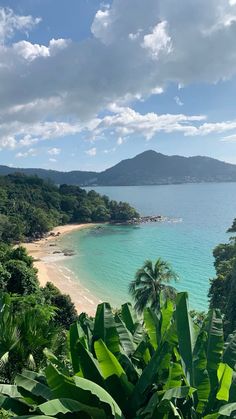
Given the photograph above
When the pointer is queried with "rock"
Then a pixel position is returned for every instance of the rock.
(68, 252)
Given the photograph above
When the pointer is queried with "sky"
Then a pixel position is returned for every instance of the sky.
(85, 84)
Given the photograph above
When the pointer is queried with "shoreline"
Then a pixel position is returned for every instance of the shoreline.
(48, 260)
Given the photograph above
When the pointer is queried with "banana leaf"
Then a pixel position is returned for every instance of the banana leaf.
(176, 374)
(76, 333)
(64, 406)
(229, 355)
(214, 344)
(16, 406)
(201, 376)
(89, 365)
(186, 335)
(82, 390)
(125, 336)
(147, 378)
(224, 374)
(166, 316)
(116, 379)
(34, 417)
(10, 390)
(105, 328)
(152, 325)
(178, 393)
(33, 389)
(228, 409)
(129, 317)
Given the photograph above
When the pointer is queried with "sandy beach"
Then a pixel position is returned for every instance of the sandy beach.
(49, 258)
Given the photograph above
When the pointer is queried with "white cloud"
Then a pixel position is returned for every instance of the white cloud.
(31, 152)
(134, 36)
(120, 141)
(53, 160)
(216, 128)
(54, 151)
(10, 22)
(158, 41)
(157, 90)
(178, 101)
(113, 66)
(91, 152)
(101, 22)
(229, 139)
(8, 142)
(109, 150)
(126, 121)
(32, 51)
(18, 134)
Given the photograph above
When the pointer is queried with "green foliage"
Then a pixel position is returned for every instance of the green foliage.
(176, 369)
(30, 207)
(66, 312)
(232, 229)
(222, 292)
(17, 274)
(151, 285)
(23, 337)
(23, 280)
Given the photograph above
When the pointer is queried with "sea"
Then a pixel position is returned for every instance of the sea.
(198, 215)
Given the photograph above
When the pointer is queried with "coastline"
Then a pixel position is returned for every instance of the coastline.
(48, 260)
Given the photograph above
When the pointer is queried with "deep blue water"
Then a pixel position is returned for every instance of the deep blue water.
(107, 258)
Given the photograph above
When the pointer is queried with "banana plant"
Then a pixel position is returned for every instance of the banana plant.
(160, 366)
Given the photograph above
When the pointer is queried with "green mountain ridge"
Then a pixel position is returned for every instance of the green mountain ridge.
(147, 168)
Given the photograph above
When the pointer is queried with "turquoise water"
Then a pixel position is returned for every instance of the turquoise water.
(108, 257)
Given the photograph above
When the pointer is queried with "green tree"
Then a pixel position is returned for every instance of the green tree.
(222, 291)
(83, 213)
(23, 279)
(101, 213)
(4, 277)
(38, 222)
(150, 282)
(122, 211)
(24, 337)
(232, 229)
(20, 253)
(66, 312)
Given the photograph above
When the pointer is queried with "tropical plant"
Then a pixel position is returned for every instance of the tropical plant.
(150, 283)
(23, 337)
(165, 367)
(222, 292)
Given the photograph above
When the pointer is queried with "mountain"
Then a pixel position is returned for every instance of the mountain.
(151, 168)
(147, 168)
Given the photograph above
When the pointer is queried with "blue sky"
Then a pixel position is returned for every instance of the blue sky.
(85, 84)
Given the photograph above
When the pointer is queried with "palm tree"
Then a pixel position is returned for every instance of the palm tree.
(150, 282)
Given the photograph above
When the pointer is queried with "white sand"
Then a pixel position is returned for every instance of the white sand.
(50, 268)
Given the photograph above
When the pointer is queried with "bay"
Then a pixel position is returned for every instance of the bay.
(107, 257)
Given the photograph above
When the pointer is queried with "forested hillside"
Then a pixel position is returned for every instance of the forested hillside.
(147, 168)
(30, 207)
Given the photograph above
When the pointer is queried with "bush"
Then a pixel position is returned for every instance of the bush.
(23, 279)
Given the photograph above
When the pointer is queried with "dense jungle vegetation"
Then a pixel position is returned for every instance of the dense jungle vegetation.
(30, 207)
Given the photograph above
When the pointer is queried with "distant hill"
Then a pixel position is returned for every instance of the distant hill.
(147, 168)
(75, 177)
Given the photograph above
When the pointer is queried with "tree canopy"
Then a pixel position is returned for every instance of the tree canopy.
(30, 207)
